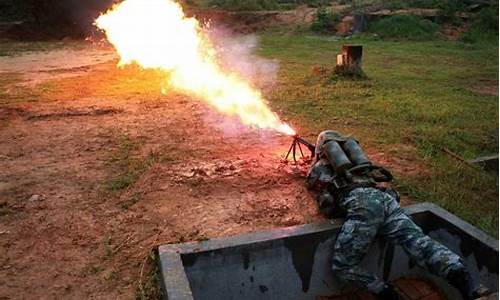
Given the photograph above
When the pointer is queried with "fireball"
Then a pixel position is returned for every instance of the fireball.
(155, 34)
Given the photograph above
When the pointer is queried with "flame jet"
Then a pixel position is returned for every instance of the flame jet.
(156, 34)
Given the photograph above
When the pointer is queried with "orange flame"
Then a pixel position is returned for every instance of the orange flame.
(156, 34)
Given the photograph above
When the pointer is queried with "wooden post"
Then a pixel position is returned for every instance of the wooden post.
(350, 61)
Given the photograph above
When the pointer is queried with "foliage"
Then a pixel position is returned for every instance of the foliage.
(324, 21)
(446, 5)
(450, 7)
(147, 288)
(245, 4)
(255, 5)
(484, 26)
(12, 10)
(310, 3)
(405, 27)
(54, 18)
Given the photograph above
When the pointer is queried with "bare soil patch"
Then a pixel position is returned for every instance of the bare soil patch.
(486, 87)
(37, 67)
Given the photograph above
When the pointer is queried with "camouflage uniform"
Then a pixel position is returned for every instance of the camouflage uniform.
(370, 212)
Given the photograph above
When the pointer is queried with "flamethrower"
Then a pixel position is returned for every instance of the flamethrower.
(346, 157)
(297, 143)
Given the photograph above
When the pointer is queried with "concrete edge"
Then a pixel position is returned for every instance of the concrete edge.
(174, 281)
(466, 227)
(250, 238)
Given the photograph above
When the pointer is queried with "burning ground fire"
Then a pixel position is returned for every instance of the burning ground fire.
(156, 34)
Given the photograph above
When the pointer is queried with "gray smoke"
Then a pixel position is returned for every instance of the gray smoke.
(237, 54)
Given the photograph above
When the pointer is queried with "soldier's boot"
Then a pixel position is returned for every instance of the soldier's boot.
(388, 293)
(463, 282)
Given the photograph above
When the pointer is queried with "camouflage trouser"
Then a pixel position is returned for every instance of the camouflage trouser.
(371, 212)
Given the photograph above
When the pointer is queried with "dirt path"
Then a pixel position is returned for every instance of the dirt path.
(101, 167)
(37, 67)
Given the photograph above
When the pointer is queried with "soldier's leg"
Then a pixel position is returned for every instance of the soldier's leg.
(424, 251)
(364, 217)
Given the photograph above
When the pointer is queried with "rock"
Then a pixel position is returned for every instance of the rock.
(345, 27)
(35, 198)
(290, 221)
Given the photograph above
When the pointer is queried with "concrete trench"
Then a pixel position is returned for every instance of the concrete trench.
(294, 262)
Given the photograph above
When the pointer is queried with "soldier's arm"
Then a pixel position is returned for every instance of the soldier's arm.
(319, 180)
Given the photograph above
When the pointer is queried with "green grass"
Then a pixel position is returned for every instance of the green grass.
(255, 5)
(147, 286)
(127, 164)
(404, 26)
(417, 94)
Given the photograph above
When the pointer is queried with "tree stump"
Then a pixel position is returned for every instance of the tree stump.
(350, 61)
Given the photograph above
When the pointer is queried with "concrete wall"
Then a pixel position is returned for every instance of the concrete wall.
(294, 262)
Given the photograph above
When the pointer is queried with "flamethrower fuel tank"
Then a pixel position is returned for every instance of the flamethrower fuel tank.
(355, 153)
(337, 156)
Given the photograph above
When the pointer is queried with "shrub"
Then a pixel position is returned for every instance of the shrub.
(245, 4)
(265, 4)
(324, 21)
(53, 18)
(314, 3)
(484, 26)
(405, 27)
(12, 10)
(450, 7)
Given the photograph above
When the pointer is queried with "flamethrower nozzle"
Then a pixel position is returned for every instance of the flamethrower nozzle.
(297, 142)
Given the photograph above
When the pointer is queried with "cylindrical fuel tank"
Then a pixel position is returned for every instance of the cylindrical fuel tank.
(336, 156)
(355, 153)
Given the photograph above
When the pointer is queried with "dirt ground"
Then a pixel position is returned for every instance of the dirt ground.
(37, 67)
(67, 232)
(98, 167)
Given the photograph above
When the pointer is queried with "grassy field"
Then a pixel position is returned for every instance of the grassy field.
(419, 98)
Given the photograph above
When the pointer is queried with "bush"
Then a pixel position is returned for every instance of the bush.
(245, 4)
(313, 3)
(265, 4)
(324, 21)
(53, 18)
(448, 6)
(405, 27)
(12, 10)
(484, 26)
